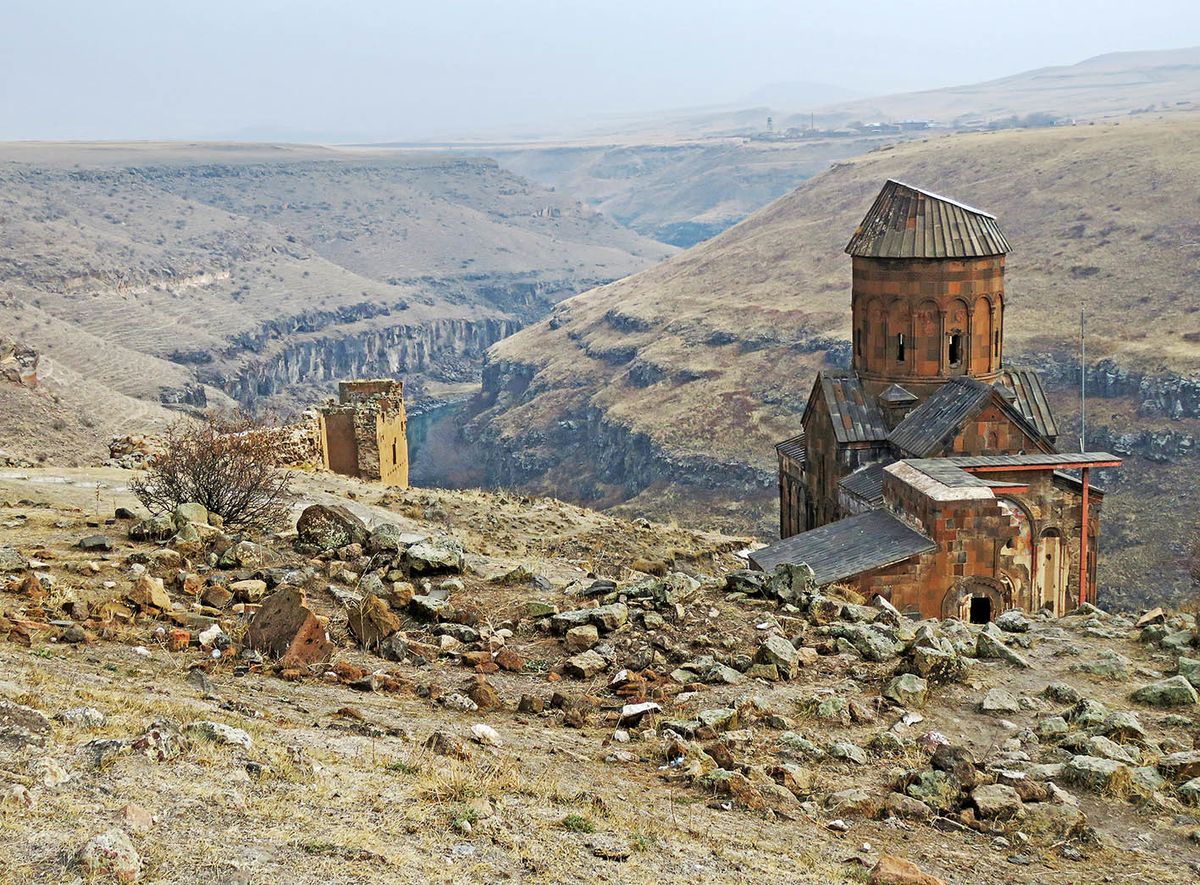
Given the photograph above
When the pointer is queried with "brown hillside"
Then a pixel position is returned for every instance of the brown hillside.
(709, 356)
(258, 271)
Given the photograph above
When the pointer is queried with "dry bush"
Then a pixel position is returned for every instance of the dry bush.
(226, 464)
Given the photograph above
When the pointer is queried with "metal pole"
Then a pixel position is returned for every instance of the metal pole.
(1082, 383)
(1083, 544)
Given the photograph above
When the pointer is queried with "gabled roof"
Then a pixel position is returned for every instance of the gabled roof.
(933, 424)
(866, 484)
(793, 448)
(908, 222)
(847, 547)
(855, 416)
(1031, 402)
(895, 395)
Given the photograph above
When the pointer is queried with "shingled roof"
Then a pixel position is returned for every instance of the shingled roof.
(1031, 400)
(855, 416)
(847, 547)
(792, 448)
(935, 422)
(908, 222)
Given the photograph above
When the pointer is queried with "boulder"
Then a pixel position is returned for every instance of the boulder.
(1173, 692)
(906, 690)
(906, 807)
(387, 537)
(955, 760)
(95, 543)
(435, 557)
(989, 647)
(112, 854)
(330, 526)
(1013, 621)
(782, 654)
(285, 629)
(427, 605)
(940, 790)
(1180, 766)
(581, 638)
(996, 802)
(999, 702)
(187, 513)
(11, 560)
(937, 664)
(585, 665)
(148, 593)
(372, 621)
(1189, 793)
(156, 528)
(1099, 775)
(250, 590)
(892, 870)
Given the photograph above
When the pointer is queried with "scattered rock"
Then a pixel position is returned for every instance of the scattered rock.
(486, 735)
(1013, 621)
(22, 726)
(11, 560)
(442, 743)
(999, 702)
(989, 647)
(777, 651)
(372, 621)
(285, 629)
(148, 593)
(585, 665)
(996, 801)
(906, 690)
(581, 638)
(110, 853)
(95, 543)
(220, 733)
(442, 556)
(892, 870)
(329, 527)
(1173, 692)
(82, 717)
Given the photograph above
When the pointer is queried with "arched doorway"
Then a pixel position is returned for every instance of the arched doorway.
(1052, 570)
(976, 600)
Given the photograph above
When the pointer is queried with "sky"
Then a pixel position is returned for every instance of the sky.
(372, 70)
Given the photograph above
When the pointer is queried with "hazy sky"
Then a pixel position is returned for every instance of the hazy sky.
(370, 69)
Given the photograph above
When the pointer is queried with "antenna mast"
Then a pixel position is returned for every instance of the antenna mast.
(1082, 382)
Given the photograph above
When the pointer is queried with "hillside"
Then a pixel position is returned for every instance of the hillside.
(684, 177)
(689, 372)
(488, 689)
(1115, 83)
(199, 274)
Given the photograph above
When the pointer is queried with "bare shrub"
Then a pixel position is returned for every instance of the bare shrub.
(226, 464)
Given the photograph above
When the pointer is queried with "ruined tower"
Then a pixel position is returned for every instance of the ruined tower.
(364, 433)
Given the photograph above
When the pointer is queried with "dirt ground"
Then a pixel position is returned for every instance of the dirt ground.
(337, 786)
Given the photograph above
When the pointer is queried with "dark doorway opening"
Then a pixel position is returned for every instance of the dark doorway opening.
(981, 610)
(955, 354)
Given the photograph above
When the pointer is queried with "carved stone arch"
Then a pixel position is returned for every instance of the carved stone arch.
(957, 600)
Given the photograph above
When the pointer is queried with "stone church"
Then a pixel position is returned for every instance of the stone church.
(929, 472)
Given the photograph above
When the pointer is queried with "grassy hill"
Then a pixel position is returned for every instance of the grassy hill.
(682, 178)
(201, 272)
(700, 364)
